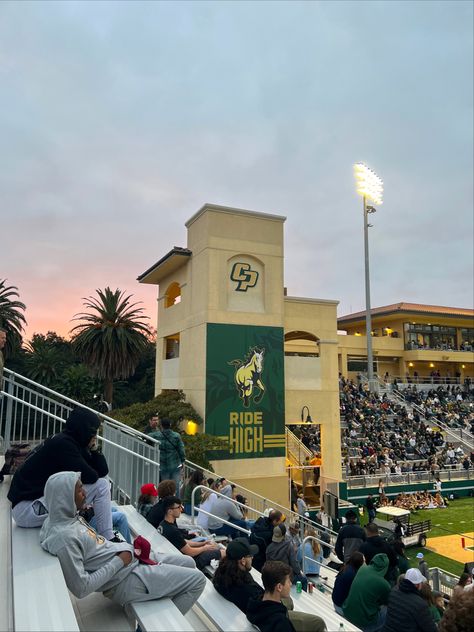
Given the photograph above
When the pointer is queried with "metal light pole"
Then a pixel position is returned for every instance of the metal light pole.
(370, 187)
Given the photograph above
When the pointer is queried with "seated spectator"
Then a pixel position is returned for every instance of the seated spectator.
(376, 544)
(350, 537)
(281, 550)
(312, 553)
(407, 610)
(119, 525)
(73, 449)
(269, 614)
(368, 595)
(194, 479)
(207, 500)
(156, 514)
(464, 580)
(202, 552)
(90, 563)
(344, 580)
(224, 509)
(262, 533)
(458, 614)
(293, 535)
(148, 497)
(429, 597)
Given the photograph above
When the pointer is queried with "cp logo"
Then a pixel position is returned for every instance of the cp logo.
(245, 277)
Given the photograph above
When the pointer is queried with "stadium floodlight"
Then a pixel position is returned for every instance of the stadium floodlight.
(368, 183)
(370, 187)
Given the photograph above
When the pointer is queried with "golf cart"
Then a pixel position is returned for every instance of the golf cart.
(414, 533)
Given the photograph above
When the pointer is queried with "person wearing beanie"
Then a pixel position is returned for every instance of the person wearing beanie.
(423, 566)
(172, 454)
(148, 497)
(73, 449)
(407, 610)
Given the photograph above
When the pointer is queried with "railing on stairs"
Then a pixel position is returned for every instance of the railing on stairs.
(296, 448)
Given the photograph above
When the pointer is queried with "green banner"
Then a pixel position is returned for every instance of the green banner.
(245, 390)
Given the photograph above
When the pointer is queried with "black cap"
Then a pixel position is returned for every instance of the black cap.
(240, 547)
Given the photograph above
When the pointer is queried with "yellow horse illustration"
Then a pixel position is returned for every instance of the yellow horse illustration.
(249, 375)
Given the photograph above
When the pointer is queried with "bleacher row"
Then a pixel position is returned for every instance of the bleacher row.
(41, 600)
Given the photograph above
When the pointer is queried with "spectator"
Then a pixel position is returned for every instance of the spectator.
(269, 614)
(224, 508)
(281, 550)
(313, 556)
(73, 449)
(262, 533)
(368, 595)
(148, 497)
(344, 580)
(403, 562)
(423, 566)
(428, 596)
(293, 535)
(407, 610)
(301, 505)
(172, 455)
(202, 552)
(350, 537)
(324, 519)
(458, 614)
(464, 580)
(207, 501)
(376, 544)
(195, 478)
(156, 514)
(370, 505)
(90, 563)
(152, 425)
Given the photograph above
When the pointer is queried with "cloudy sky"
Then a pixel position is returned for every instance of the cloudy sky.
(118, 120)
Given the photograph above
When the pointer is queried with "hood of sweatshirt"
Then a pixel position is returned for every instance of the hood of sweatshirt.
(380, 564)
(82, 424)
(262, 613)
(59, 495)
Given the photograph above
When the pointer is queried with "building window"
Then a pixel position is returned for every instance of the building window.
(467, 339)
(173, 295)
(172, 347)
(424, 336)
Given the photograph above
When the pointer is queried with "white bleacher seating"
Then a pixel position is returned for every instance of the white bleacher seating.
(222, 614)
(40, 596)
(160, 614)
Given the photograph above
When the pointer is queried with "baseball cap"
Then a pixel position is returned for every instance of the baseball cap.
(414, 576)
(142, 549)
(279, 533)
(420, 556)
(148, 489)
(240, 547)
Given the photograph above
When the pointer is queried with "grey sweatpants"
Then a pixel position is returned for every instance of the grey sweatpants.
(175, 577)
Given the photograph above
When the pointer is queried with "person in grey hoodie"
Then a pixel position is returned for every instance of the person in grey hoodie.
(90, 563)
(223, 508)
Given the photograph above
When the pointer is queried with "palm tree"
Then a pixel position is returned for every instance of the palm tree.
(112, 336)
(12, 320)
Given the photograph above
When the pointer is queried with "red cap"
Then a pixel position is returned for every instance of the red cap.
(149, 489)
(142, 550)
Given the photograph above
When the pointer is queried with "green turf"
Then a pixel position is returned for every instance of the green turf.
(457, 518)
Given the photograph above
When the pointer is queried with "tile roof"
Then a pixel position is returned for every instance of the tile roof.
(416, 308)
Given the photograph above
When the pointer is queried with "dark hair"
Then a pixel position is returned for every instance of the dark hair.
(463, 579)
(169, 501)
(196, 478)
(229, 574)
(351, 515)
(356, 560)
(166, 488)
(275, 514)
(145, 499)
(240, 499)
(372, 528)
(273, 573)
(165, 423)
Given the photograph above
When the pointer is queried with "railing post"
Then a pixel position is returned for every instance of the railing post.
(10, 387)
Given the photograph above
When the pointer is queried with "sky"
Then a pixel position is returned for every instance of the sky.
(119, 120)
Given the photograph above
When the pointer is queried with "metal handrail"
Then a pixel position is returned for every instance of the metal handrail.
(207, 513)
(305, 557)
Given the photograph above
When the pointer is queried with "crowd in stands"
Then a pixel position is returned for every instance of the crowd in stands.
(381, 436)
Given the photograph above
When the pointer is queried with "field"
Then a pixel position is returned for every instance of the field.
(456, 519)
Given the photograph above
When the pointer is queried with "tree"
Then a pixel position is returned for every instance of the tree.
(12, 320)
(43, 361)
(112, 336)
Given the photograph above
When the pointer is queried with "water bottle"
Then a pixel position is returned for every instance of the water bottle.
(299, 587)
(341, 627)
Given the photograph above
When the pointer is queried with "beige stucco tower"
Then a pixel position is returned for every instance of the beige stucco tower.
(247, 356)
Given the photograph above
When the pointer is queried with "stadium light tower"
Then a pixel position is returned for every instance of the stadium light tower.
(370, 187)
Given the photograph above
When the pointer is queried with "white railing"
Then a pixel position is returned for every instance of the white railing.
(297, 447)
(304, 557)
(31, 412)
(408, 478)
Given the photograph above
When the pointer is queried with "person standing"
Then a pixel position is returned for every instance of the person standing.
(423, 566)
(350, 537)
(153, 424)
(172, 455)
(370, 506)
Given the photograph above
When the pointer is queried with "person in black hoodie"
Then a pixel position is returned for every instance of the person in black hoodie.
(350, 537)
(74, 449)
(376, 544)
(407, 610)
(269, 614)
(262, 533)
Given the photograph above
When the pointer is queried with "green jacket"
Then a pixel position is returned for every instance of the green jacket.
(368, 592)
(171, 449)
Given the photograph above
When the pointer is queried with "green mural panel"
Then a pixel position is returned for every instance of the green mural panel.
(245, 390)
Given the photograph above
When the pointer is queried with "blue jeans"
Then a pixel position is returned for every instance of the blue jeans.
(228, 530)
(119, 523)
(378, 623)
(172, 475)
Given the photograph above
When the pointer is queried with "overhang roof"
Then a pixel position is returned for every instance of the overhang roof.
(410, 308)
(168, 264)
